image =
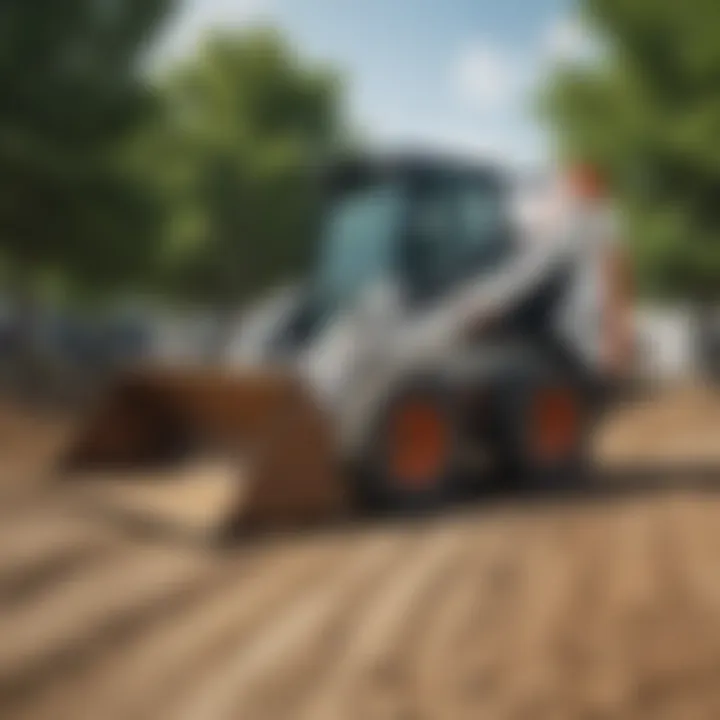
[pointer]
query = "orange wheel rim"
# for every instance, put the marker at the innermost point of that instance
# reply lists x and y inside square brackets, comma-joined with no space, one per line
[555,424]
[419,442]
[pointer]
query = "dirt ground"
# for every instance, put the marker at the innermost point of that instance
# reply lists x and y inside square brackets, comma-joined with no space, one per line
[602,605]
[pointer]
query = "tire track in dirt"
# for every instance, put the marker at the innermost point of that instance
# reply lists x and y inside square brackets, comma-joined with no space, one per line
[279,692]
[220,692]
[701,548]
[459,621]
[590,610]
[633,600]
[369,657]
[698,547]
[610,560]
[676,658]
[475,673]
[227,625]
[565,561]
[134,676]
[553,613]
[389,688]
[511,671]
[431,675]
[54,570]
[57,628]
[40,536]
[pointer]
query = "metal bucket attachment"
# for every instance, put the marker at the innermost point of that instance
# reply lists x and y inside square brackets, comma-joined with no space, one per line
[208,452]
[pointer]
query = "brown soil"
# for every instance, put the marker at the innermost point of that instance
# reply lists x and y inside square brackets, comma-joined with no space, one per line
[605,605]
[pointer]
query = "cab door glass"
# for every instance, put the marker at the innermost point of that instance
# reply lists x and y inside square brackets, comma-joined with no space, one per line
[431,257]
[360,242]
[484,229]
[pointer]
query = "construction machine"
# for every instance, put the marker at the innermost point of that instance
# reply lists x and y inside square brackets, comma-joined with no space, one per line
[437,343]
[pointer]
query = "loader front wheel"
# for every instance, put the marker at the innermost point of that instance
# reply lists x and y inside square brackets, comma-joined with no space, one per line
[412,457]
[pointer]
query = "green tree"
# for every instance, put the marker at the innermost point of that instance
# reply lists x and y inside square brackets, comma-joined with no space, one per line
[244,120]
[647,112]
[72,95]
[74,216]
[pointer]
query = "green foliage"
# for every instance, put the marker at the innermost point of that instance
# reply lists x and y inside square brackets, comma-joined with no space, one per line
[648,113]
[243,121]
[72,95]
[195,186]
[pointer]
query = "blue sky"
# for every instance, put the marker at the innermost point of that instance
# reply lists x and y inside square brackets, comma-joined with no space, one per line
[453,73]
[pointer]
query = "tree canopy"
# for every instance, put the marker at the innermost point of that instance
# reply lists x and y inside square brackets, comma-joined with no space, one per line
[244,118]
[647,112]
[72,95]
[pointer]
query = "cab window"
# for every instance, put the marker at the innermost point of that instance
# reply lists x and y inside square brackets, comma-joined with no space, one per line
[458,230]
[360,239]
[484,230]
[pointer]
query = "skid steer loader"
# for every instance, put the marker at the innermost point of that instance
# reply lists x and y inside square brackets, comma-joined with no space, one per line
[437,341]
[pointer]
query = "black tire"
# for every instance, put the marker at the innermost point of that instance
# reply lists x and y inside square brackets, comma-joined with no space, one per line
[381,488]
[519,467]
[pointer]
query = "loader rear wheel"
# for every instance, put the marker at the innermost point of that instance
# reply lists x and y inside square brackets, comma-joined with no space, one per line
[544,435]
[554,424]
[411,462]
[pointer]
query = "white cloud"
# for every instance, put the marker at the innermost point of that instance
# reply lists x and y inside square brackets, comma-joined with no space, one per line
[486,77]
[568,39]
[495,84]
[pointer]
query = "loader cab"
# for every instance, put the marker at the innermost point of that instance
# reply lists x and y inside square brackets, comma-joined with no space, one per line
[419,225]
[423,224]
